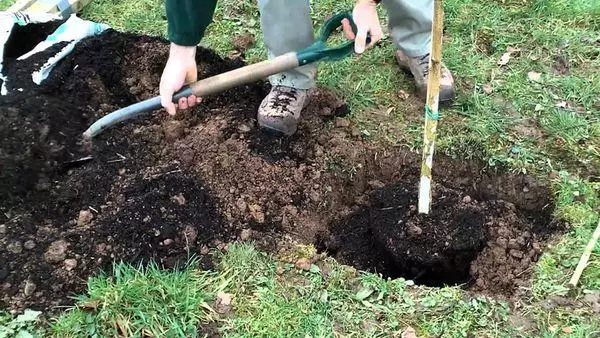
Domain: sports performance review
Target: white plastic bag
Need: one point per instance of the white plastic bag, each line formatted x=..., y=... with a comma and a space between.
x=7, y=21
x=73, y=30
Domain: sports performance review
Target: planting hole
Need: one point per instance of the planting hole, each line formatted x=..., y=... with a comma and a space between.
x=470, y=237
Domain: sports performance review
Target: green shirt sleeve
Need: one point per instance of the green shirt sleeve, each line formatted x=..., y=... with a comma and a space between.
x=188, y=19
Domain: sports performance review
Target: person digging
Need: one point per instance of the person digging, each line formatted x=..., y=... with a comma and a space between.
x=287, y=26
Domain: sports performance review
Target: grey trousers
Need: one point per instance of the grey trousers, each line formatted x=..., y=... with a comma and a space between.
x=287, y=26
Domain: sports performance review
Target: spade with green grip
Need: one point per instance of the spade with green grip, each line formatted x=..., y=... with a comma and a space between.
x=318, y=51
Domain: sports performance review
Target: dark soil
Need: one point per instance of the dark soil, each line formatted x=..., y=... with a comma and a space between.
x=32, y=35
x=169, y=188
x=467, y=238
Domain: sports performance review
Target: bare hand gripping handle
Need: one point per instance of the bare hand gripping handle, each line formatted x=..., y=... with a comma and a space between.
x=205, y=87
x=318, y=51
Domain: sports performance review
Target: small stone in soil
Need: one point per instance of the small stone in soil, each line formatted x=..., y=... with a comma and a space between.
x=84, y=218
x=2, y=229
x=223, y=302
x=179, y=199
x=341, y=122
x=29, y=288
x=414, y=230
x=326, y=111
x=56, y=252
x=70, y=264
x=467, y=199
x=409, y=332
x=403, y=95
x=303, y=264
x=375, y=184
x=246, y=233
x=101, y=248
x=29, y=245
x=256, y=212
x=14, y=247
x=168, y=241
x=243, y=128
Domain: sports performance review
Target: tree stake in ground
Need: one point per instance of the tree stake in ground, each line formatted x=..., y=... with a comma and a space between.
x=587, y=252
x=431, y=108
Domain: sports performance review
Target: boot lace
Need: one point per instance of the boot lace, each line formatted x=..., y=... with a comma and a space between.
x=424, y=64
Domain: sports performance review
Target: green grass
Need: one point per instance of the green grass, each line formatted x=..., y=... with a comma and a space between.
x=4, y=4
x=27, y=324
x=577, y=202
x=136, y=301
x=273, y=299
x=540, y=127
x=328, y=300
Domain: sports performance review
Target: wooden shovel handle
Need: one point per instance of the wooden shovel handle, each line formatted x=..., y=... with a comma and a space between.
x=239, y=76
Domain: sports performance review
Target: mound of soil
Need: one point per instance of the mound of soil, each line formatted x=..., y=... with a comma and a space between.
x=68, y=211
x=168, y=188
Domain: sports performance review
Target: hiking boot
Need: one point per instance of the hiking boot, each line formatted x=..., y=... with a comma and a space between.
x=419, y=67
x=280, y=110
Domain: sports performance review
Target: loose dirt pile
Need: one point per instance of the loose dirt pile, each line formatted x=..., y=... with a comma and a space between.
x=169, y=188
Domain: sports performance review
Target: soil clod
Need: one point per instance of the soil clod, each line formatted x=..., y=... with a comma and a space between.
x=84, y=218
x=56, y=252
x=303, y=264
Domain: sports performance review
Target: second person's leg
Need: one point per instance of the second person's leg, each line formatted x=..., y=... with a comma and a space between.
x=410, y=23
x=286, y=26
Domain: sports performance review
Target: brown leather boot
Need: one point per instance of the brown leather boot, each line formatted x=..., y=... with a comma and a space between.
x=419, y=67
x=280, y=110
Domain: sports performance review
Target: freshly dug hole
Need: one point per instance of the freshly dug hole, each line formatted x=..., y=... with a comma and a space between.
x=168, y=188
x=467, y=238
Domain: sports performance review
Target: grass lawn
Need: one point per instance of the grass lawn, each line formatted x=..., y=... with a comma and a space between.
x=528, y=76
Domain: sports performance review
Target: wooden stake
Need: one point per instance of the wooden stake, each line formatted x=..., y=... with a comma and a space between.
x=20, y=5
x=431, y=106
x=587, y=252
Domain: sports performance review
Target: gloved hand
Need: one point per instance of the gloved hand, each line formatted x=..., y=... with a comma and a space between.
x=179, y=70
x=367, y=22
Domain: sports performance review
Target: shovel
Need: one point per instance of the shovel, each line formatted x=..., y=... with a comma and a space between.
x=318, y=51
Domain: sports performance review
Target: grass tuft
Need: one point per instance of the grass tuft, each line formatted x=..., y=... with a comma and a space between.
x=142, y=301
